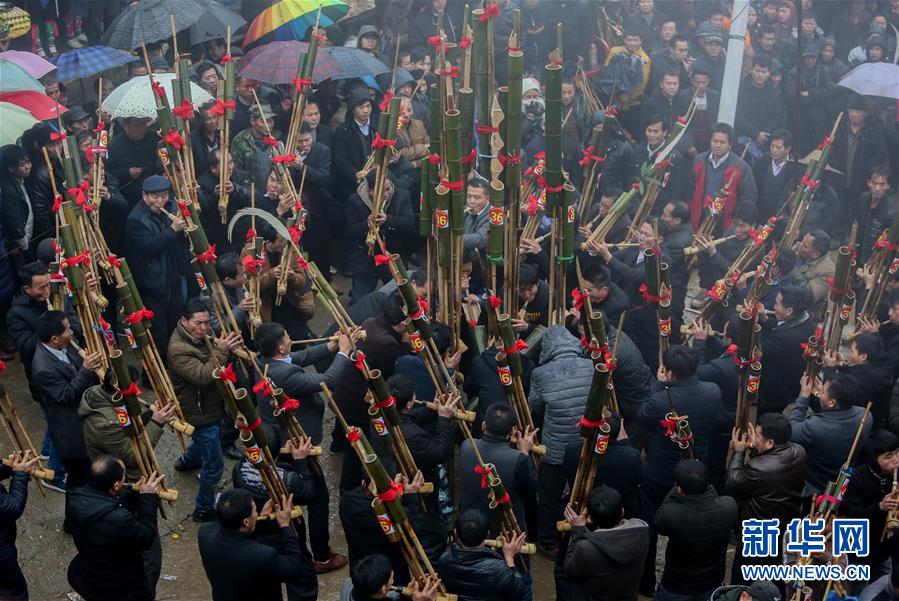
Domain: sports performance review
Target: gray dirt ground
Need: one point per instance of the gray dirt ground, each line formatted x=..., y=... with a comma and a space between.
x=45, y=551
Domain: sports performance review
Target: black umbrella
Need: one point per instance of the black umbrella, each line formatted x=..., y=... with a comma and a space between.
x=148, y=21
x=214, y=24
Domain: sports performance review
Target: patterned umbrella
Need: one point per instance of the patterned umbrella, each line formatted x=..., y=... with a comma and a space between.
x=277, y=63
x=30, y=62
x=148, y=21
x=291, y=19
x=14, y=78
x=135, y=98
x=85, y=62
x=37, y=103
x=15, y=120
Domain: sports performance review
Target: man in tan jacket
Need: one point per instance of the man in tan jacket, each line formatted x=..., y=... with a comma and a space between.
x=815, y=266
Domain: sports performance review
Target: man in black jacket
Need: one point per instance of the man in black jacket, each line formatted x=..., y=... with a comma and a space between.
x=238, y=191
x=698, y=524
x=775, y=173
x=859, y=146
x=766, y=477
x=133, y=158
x=781, y=339
x=664, y=101
x=103, y=527
x=61, y=376
x=605, y=295
x=473, y=571
x=157, y=255
x=372, y=580
x=676, y=184
x=239, y=567
x=12, y=505
x=678, y=235
x=314, y=158
x=351, y=144
x=873, y=211
x=16, y=213
x=758, y=108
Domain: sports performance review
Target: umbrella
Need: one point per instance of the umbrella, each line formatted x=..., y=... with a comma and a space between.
x=15, y=120
x=148, y=21
x=37, y=103
x=30, y=63
x=85, y=62
x=214, y=24
x=14, y=78
x=135, y=98
x=277, y=63
x=291, y=19
x=873, y=79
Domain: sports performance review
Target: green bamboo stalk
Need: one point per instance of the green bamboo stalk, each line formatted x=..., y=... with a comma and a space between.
x=496, y=230
x=454, y=168
x=568, y=225
x=482, y=88
x=552, y=81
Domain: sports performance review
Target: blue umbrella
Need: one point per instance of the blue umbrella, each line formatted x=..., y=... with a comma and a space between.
x=86, y=62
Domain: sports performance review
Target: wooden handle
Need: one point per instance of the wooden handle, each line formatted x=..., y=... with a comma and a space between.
x=41, y=473
x=563, y=526
x=316, y=451
x=537, y=449
x=166, y=494
x=526, y=548
x=426, y=488
x=296, y=512
x=183, y=427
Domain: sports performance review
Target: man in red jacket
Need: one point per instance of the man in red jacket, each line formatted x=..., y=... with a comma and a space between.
x=710, y=172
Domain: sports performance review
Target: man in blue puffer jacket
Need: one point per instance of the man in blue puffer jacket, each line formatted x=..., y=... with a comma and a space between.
x=559, y=388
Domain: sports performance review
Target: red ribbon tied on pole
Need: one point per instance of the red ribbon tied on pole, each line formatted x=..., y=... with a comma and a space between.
x=495, y=301
x=55, y=137
x=484, y=472
x=138, y=316
x=533, y=205
x=433, y=158
x=82, y=257
x=185, y=110
x=670, y=426
x=158, y=89
x=578, y=297
x=809, y=182
x=380, y=142
x=486, y=129
x=114, y=260
x=132, y=390
x=251, y=427
x=252, y=265
x=225, y=59
x=391, y=494
x=360, y=361
x=469, y=158
x=57, y=203
x=508, y=159
x=464, y=43
x=591, y=424
x=491, y=12
x=228, y=374
x=174, y=139
x=263, y=387
x=386, y=403
x=270, y=141
x=353, y=435
x=302, y=263
x=290, y=404
x=302, y=82
x=385, y=102
x=436, y=41
x=208, y=256
x=519, y=346
x=284, y=159
x=219, y=109
x=381, y=260
x=651, y=298
x=453, y=72
x=454, y=186
x=182, y=206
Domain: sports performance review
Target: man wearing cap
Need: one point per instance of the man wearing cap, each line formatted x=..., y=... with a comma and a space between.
x=812, y=83
x=133, y=158
x=160, y=65
x=157, y=255
x=859, y=147
x=76, y=120
x=351, y=144
x=711, y=60
x=250, y=153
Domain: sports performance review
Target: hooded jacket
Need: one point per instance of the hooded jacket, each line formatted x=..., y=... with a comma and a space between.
x=480, y=574
x=606, y=565
x=103, y=528
x=559, y=389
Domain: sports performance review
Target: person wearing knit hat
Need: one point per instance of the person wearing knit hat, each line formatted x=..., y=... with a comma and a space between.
x=811, y=83
x=828, y=58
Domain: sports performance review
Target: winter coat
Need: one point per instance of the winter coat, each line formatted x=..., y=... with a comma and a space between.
x=12, y=506
x=482, y=381
x=303, y=386
x=676, y=187
x=701, y=403
x=770, y=484
x=827, y=437
x=40, y=192
x=239, y=198
x=866, y=489
x=191, y=367
x=480, y=574
x=125, y=153
x=240, y=568
x=60, y=386
x=742, y=190
x=633, y=380
x=721, y=372
x=21, y=325
x=157, y=254
x=476, y=227
x=559, y=389
x=103, y=528
x=103, y=433
x=875, y=384
x=606, y=565
x=14, y=211
x=816, y=274
x=870, y=151
x=349, y=151
x=758, y=109
x=784, y=365
x=698, y=528
x=620, y=467
x=872, y=222
x=400, y=224
x=815, y=123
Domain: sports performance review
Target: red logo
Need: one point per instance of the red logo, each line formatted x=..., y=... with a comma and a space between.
x=441, y=218
x=201, y=281
x=602, y=444
x=254, y=454
x=845, y=310
x=894, y=266
x=665, y=327
x=418, y=344
x=164, y=156
x=571, y=214
x=752, y=384
x=104, y=138
x=379, y=425
x=505, y=375
x=386, y=524
x=124, y=418
x=497, y=216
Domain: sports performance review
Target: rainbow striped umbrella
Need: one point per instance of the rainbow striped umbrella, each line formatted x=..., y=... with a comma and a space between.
x=291, y=19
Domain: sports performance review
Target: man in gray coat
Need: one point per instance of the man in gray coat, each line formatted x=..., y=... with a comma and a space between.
x=559, y=389
x=827, y=435
x=477, y=215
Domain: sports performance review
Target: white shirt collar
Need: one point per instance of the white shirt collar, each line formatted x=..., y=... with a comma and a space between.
x=61, y=355
x=719, y=162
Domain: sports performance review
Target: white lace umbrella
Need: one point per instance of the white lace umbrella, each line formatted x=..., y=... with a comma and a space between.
x=135, y=98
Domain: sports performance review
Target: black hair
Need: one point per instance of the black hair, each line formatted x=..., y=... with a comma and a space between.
x=28, y=271
x=762, y=60
x=843, y=389
x=633, y=33
x=105, y=471
x=192, y=307
x=681, y=361
x=418, y=54
x=775, y=427
x=402, y=389
x=654, y=118
x=670, y=73
x=203, y=67
x=133, y=66
x=604, y=506
x=732, y=326
x=419, y=277
x=268, y=337
x=786, y=260
x=393, y=312
x=500, y=419
x=11, y=155
x=370, y=574
x=870, y=345
x=784, y=135
x=442, y=336
x=598, y=275
x=692, y=476
x=700, y=70
x=305, y=128
x=51, y=323
x=880, y=441
x=472, y=527
x=527, y=275
x=613, y=191
x=892, y=298
x=822, y=240
x=746, y=212
x=878, y=171
x=680, y=210
x=795, y=297
x=233, y=507
x=480, y=183
x=724, y=128
x=677, y=38
x=228, y=265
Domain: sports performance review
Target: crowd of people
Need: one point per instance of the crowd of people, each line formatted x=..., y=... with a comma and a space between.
x=671, y=55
